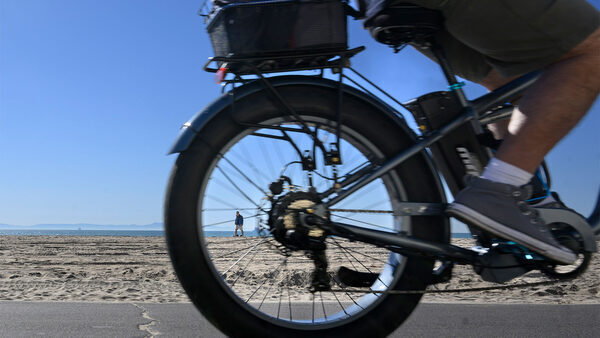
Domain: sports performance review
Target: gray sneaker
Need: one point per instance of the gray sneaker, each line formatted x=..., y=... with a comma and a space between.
x=502, y=210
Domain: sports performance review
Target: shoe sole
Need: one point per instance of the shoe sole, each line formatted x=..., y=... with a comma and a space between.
x=471, y=216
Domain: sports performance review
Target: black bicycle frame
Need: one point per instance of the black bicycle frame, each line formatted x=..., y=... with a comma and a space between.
x=473, y=111
x=474, y=114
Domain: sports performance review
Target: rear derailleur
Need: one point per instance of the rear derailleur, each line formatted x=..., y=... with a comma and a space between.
x=294, y=234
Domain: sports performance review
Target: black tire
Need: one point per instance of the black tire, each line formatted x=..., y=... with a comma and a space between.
x=185, y=236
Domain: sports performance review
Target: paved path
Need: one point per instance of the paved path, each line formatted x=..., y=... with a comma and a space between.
x=29, y=319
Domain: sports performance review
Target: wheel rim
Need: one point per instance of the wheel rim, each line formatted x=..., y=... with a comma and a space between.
x=273, y=282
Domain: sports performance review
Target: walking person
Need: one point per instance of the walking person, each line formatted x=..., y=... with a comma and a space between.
x=239, y=223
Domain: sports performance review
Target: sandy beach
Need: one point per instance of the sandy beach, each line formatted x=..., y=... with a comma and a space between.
x=137, y=269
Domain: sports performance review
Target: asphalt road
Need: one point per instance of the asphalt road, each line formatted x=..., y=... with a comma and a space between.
x=29, y=319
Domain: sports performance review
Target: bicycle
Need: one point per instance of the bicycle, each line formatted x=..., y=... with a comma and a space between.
x=373, y=188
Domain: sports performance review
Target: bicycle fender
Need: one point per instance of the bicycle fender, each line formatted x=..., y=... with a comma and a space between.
x=191, y=128
x=573, y=219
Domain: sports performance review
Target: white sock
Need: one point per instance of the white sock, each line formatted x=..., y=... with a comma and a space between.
x=502, y=172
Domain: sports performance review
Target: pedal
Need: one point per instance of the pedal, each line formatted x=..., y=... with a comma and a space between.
x=355, y=278
x=502, y=263
x=443, y=273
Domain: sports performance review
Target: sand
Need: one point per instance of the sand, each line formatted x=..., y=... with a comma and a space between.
x=137, y=269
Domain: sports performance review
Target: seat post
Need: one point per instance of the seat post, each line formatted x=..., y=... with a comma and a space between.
x=454, y=85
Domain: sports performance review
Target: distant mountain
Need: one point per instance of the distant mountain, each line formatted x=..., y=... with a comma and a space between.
x=128, y=227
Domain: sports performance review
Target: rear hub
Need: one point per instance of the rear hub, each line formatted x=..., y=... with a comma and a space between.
x=285, y=224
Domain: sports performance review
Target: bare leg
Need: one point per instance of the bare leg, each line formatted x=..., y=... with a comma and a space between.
x=553, y=105
x=492, y=81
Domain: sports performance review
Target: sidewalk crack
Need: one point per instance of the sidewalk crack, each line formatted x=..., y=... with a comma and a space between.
x=148, y=327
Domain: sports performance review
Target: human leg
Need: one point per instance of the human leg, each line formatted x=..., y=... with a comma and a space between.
x=553, y=106
x=546, y=113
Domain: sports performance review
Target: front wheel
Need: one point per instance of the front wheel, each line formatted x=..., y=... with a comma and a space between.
x=260, y=285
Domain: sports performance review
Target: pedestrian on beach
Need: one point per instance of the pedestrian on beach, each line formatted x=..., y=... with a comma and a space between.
x=239, y=223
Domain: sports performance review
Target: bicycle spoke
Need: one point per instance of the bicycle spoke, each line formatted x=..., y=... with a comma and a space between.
x=331, y=277
x=221, y=201
x=245, y=268
x=347, y=294
x=225, y=222
x=242, y=257
x=267, y=160
x=258, y=175
x=289, y=298
x=313, y=308
x=360, y=194
x=364, y=266
x=323, y=304
x=242, y=249
x=277, y=147
x=250, y=164
x=281, y=294
x=362, y=254
x=244, y=175
x=363, y=222
x=228, y=209
x=222, y=242
x=344, y=253
x=263, y=283
x=272, y=282
x=239, y=190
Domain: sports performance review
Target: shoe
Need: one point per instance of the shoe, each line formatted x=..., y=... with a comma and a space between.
x=550, y=201
x=502, y=210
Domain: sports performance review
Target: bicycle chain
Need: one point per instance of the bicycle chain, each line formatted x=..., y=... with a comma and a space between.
x=402, y=292
x=484, y=288
x=364, y=211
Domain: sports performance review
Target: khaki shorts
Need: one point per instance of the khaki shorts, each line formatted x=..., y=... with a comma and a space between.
x=512, y=36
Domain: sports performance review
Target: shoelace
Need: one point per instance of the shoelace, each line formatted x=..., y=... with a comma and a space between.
x=528, y=211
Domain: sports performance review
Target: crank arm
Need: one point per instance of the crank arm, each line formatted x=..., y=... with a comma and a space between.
x=397, y=242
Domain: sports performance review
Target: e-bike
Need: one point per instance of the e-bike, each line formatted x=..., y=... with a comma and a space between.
x=348, y=201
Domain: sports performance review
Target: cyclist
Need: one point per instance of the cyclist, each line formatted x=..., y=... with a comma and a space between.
x=492, y=42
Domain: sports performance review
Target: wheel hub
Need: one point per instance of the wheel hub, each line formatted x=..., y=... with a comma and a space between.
x=285, y=224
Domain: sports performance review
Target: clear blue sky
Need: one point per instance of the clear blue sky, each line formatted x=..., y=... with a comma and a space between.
x=92, y=94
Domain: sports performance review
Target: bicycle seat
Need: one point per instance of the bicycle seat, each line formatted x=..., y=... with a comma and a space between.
x=404, y=23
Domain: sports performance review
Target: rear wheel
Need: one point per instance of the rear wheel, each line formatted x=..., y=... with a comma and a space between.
x=259, y=285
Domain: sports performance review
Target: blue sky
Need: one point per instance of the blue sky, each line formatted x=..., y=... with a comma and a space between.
x=93, y=93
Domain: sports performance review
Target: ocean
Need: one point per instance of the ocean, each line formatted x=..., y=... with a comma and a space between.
x=127, y=233
x=135, y=233
x=132, y=233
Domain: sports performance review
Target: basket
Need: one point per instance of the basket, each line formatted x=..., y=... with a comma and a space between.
x=258, y=29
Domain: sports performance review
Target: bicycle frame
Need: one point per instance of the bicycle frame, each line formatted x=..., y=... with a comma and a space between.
x=474, y=114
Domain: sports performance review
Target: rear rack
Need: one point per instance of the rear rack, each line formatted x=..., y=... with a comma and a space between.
x=282, y=63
